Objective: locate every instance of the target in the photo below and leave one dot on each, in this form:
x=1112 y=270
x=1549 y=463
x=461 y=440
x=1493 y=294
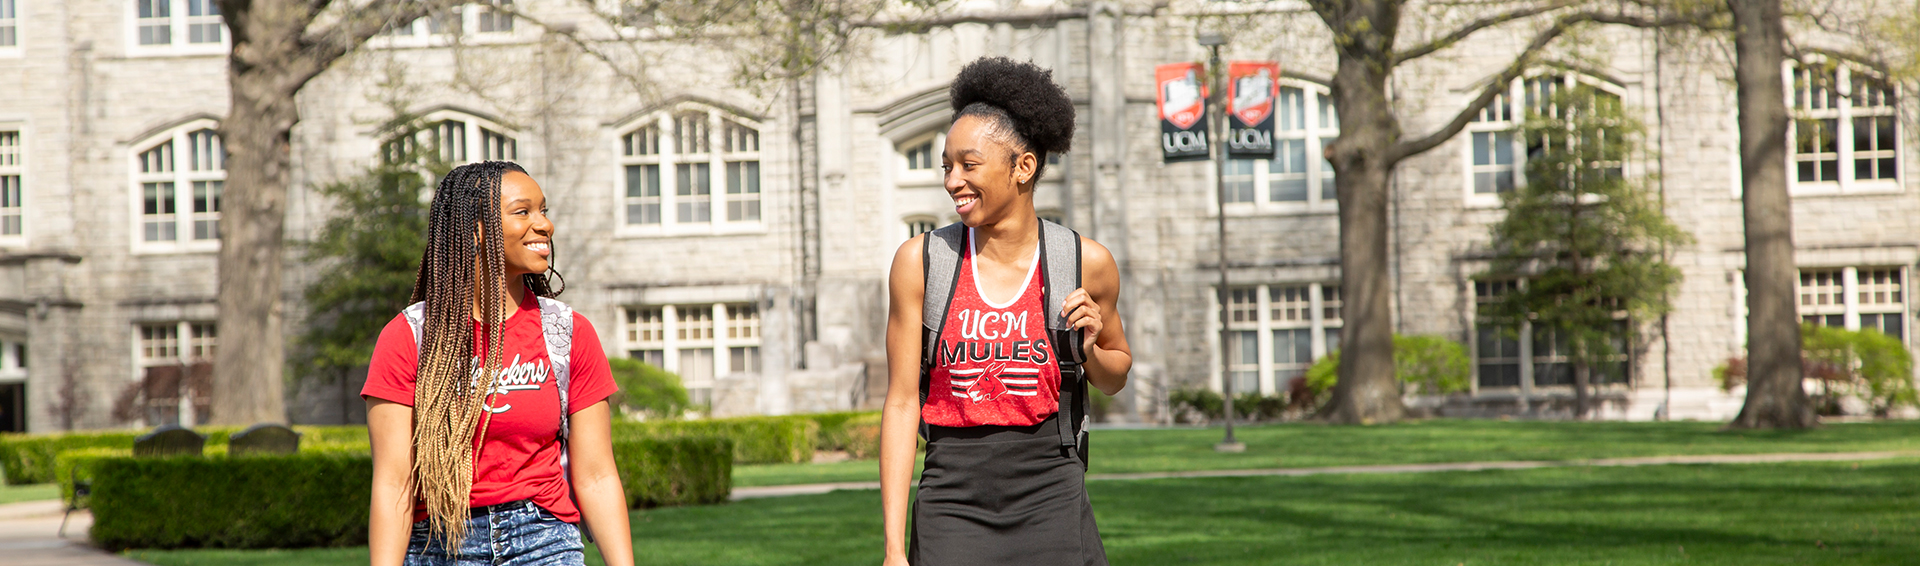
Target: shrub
x=29 y=458
x=684 y=470
x=1188 y=403
x=862 y=435
x=647 y=389
x=1423 y=363
x=83 y=460
x=1257 y=407
x=756 y=440
x=1867 y=363
x=1101 y=403
x=289 y=501
x=833 y=427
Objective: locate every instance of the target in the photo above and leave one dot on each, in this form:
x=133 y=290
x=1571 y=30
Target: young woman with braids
x=1001 y=485
x=464 y=407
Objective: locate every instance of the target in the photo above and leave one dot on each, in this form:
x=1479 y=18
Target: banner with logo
x=1182 y=97
x=1252 y=87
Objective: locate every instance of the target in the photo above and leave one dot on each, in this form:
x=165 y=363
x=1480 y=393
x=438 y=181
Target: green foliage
x=1201 y=402
x=78 y=465
x=862 y=434
x=289 y=501
x=1252 y=406
x=1425 y=364
x=1589 y=242
x=647 y=389
x=1864 y=358
x=371 y=248
x=756 y=440
x=1101 y=403
x=683 y=470
x=29 y=458
x=833 y=432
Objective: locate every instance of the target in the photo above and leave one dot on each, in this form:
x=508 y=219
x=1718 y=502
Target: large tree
x=1775 y=397
x=1365 y=35
x=278 y=47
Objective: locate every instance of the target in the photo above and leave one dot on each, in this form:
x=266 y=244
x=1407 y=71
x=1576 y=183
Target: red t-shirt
x=520 y=456
x=995 y=365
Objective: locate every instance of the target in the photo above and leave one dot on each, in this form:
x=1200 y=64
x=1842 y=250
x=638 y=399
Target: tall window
x=1497 y=342
x=175 y=361
x=178 y=182
x=174 y=23
x=1497 y=152
x=669 y=165
x=1520 y=354
x=1304 y=123
x=12 y=192
x=1845 y=133
x=920 y=225
x=495 y=16
x=1275 y=332
x=1855 y=298
x=490 y=18
x=455 y=139
x=9 y=24
x=685 y=340
x=920 y=156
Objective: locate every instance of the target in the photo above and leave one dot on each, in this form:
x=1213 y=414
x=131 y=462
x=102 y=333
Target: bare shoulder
x=907 y=263
x=1095 y=259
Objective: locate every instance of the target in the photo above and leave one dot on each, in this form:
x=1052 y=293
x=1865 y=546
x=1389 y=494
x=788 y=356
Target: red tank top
x=995 y=365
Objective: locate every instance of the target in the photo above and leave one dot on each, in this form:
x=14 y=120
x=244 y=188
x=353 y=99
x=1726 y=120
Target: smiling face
x=525 y=229
x=986 y=179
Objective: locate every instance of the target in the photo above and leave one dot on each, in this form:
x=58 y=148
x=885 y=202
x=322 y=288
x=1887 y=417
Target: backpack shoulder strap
x=940 y=265
x=1060 y=254
x=1062 y=248
x=556 y=325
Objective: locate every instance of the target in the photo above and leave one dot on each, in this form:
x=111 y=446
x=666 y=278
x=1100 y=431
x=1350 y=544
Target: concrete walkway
x=29 y=536
x=818 y=488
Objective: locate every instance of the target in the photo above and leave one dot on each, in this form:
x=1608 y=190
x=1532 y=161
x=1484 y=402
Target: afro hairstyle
x=1021 y=98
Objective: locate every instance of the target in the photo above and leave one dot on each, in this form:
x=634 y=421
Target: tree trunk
x=1582 y=375
x=1775 y=398
x=247 y=375
x=1366 y=391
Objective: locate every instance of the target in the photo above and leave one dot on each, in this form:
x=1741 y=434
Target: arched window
x=917 y=225
x=452 y=138
x=668 y=162
x=177 y=185
x=1297 y=177
x=1845 y=134
x=1497 y=153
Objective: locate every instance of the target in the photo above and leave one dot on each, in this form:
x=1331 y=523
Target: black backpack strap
x=940 y=266
x=1060 y=265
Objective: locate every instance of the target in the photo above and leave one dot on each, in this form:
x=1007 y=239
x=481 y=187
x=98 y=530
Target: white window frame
x=916 y=225
x=930 y=177
x=184 y=345
x=726 y=336
x=183 y=176
x=1514 y=116
x=1320 y=125
x=1843 y=112
x=15 y=165
x=177 y=24
x=669 y=156
x=10 y=24
x=466 y=30
x=474 y=132
x=13 y=362
x=1320 y=295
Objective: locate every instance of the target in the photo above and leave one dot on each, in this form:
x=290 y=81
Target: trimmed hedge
x=756 y=440
x=299 y=500
x=863 y=436
x=833 y=427
x=86 y=460
x=29 y=458
x=685 y=470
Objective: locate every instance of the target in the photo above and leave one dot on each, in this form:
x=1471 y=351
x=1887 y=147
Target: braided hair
x=1021 y=104
x=465 y=260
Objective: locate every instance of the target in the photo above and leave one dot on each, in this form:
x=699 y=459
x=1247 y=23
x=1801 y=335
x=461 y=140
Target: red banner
x=1252 y=87
x=1181 y=92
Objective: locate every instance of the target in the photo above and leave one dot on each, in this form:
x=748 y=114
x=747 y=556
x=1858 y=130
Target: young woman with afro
x=999 y=485
x=472 y=430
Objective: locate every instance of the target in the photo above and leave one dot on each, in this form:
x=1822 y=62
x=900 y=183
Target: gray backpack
x=1060 y=268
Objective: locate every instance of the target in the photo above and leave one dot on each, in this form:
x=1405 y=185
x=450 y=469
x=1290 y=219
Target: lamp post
x=1217 y=132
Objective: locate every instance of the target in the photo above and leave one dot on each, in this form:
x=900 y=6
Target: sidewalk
x=29 y=536
x=818 y=488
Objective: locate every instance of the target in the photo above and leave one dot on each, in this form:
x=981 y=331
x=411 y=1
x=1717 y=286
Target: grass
x=1418 y=442
x=35 y=492
x=1802 y=513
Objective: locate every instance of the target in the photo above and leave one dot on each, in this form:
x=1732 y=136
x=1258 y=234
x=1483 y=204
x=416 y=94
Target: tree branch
x=1405 y=149
x=321 y=47
x=1461 y=34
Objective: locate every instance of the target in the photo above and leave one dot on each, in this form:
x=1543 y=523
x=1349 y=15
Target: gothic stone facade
x=740 y=235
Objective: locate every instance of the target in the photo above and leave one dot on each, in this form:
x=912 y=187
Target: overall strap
x=1060 y=264
x=940 y=266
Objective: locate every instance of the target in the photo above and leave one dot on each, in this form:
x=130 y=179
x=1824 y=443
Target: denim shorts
x=517 y=534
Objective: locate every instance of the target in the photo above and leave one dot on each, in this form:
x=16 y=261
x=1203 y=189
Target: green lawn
x=18 y=493
x=1314 y=445
x=1809 y=513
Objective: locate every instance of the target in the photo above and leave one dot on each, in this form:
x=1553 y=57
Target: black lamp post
x=1217 y=131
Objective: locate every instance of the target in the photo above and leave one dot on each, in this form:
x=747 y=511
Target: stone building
x=740 y=235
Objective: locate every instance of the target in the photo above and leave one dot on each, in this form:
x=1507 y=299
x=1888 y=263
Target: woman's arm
x=1092 y=309
x=390 y=520
x=900 y=419
x=596 y=483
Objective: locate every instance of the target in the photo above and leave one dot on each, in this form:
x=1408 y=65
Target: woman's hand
x=895 y=561
x=1083 y=313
